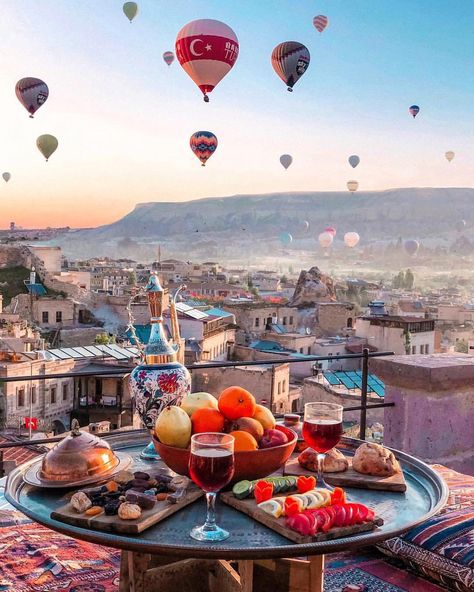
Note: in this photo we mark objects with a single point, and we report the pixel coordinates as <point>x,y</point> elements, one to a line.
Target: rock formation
<point>313,286</point>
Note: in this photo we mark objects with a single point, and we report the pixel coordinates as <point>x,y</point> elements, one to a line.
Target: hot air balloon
<point>290,60</point>
<point>47,144</point>
<point>461,225</point>
<point>352,186</point>
<point>320,22</point>
<point>207,50</point>
<point>130,9</point>
<point>203,144</point>
<point>168,57</point>
<point>353,160</point>
<point>325,239</point>
<point>305,225</point>
<point>331,230</point>
<point>414,110</point>
<point>411,247</point>
<point>32,93</point>
<point>286,160</point>
<point>351,239</point>
<point>6,177</point>
<point>450,155</point>
<point>286,238</point>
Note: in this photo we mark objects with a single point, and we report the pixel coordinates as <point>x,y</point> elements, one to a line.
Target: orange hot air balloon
<point>207,50</point>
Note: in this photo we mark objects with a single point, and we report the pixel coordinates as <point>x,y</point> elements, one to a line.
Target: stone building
<point>254,318</point>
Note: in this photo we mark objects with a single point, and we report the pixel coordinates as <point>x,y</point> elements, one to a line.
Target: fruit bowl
<point>254,464</point>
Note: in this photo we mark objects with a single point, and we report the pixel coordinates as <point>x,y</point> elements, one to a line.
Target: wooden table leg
<point>316,573</point>
<point>246,575</point>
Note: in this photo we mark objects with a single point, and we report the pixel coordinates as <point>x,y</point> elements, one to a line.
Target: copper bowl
<point>250,465</point>
<point>78,456</point>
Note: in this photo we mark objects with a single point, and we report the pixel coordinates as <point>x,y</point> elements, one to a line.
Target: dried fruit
<point>94,511</point>
<point>161,497</point>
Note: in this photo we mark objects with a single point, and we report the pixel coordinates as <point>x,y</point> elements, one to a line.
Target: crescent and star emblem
<point>192,47</point>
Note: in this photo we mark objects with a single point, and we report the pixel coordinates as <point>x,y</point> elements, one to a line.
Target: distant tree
<point>409,279</point>
<point>102,339</point>
<point>407,341</point>
<point>132,279</point>
<point>283,279</point>
<point>462,346</point>
<point>399,280</point>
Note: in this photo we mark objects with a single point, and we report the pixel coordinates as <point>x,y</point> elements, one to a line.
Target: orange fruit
<point>243,441</point>
<point>207,419</point>
<point>235,402</point>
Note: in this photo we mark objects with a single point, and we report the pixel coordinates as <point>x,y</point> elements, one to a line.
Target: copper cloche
<point>79,456</point>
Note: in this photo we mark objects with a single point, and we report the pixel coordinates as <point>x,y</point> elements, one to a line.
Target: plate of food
<point>294,507</point>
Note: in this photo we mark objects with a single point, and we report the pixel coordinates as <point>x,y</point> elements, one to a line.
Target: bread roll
<point>374,459</point>
<point>335,461</point>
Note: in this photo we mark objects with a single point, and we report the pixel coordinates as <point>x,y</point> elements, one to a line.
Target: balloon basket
<point>149,453</point>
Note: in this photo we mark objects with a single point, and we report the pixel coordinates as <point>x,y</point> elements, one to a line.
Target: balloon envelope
<point>351,239</point>
<point>47,144</point>
<point>320,22</point>
<point>411,246</point>
<point>414,110</point>
<point>352,186</point>
<point>290,60</point>
<point>168,57</point>
<point>353,160</point>
<point>305,225</point>
<point>325,239</point>
<point>207,50</point>
<point>6,177</point>
<point>286,160</point>
<point>203,144</point>
<point>450,155</point>
<point>286,238</point>
<point>331,230</point>
<point>32,93</point>
<point>130,9</point>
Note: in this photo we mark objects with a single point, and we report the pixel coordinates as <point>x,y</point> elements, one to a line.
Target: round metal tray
<point>425,495</point>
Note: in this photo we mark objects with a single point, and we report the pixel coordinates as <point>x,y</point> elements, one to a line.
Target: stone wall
<point>333,317</point>
<point>433,413</point>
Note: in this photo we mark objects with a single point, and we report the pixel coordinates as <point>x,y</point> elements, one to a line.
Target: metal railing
<point>364,356</point>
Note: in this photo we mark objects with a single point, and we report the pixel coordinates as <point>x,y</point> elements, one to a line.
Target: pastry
<point>80,502</point>
<point>335,461</point>
<point>129,511</point>
<point>374,459</point>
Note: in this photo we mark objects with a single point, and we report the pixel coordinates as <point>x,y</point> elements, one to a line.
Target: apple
<point>249,425</point>
<point>173,427</point>
<point>265,417</point>
<point>195,401</point>
<point>272,438</point>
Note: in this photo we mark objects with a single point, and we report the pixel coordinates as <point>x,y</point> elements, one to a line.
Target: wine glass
<point>211,467</point>
<point>322,430</point>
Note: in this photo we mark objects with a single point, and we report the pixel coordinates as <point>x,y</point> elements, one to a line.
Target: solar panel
<point>59,353</point>
<point>110,352</point>
<point>83,351</point>
<point>71,353</point>
<point>196,314</point>
<point>120,350</point>
<point>94,350</point>
<point>182,307</point>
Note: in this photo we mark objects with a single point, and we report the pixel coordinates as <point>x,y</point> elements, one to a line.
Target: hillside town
<point>92,315</point>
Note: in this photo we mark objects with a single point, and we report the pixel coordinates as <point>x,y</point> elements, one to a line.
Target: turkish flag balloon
<point>207,50</point>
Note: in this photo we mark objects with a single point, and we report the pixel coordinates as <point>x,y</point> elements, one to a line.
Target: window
<point>33,395</point>
<point>284,320</point>
<point>413,349</point>
<point>284,386</point>
<point>257,322</point>
<point>59,316</point>
<point>301,350</point>
<point>309,350</point>
<point>422,349</point>
<point>427,349</point>
<point>291,320</point>
<point>53,394</point>
<point>20,397</point>
<point>279,387</point>
<point>45,316</point>
<point>65,391</point>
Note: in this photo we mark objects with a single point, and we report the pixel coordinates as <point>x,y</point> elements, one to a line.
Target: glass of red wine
<point>211,467</point>
<point>322,430</point>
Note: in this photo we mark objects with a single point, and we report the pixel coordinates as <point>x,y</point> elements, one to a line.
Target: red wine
<point>322,434</point>
<point>211,469</point>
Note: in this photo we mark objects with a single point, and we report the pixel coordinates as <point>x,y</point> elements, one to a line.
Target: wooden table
<point>164,558</point>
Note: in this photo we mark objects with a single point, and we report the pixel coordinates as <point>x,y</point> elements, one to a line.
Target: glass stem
<point>210,523</point>
<point>320,481</point>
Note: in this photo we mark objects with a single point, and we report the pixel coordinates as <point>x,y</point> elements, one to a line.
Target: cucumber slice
<point>283,483</point>
<point>291,482</point>
<point>242,489</point>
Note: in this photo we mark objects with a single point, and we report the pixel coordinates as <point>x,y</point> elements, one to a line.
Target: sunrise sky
<point>123,118</point>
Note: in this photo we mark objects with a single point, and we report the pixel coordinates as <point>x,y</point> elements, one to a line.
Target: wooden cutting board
<point>249,506</point>
<point>148,518</point>
<point>351,478</point>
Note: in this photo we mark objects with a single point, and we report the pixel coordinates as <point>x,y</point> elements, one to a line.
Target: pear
<point>195,401</point>
<point>173,427</point>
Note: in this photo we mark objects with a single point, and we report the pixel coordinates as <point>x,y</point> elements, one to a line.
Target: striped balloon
<point>203,144</point>
<point>320,22</point>
<point>290,60</point>
<point>168,57</point>
<point>32,93</point>
<point>414,110</point>
<point>207,50</point>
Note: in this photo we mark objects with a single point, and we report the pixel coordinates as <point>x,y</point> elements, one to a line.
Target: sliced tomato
<point>263,491</point>
<point>300,523</point>
<point>349,515</point>
<point>305,483</point>
<point>327,523</point>
<point>370,515</point>
<point>338,496</point>
<point>363,511</point>
<point>292,506</point>
<point>340,518</point>
<point>331,510</point>
<point>313,521</point>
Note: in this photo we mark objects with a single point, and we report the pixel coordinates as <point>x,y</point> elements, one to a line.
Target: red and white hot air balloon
<point>207,50</point>
<point>320,22</point>
<point>168,57</point>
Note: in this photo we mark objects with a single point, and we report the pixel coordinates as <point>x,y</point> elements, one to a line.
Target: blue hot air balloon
<point>353,160</point>
<point>286,238</point>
